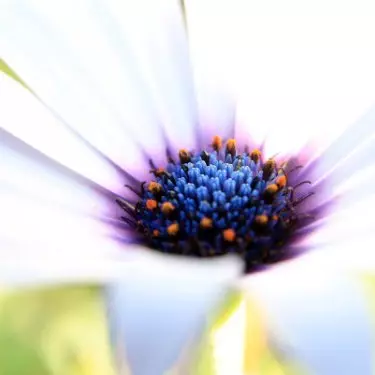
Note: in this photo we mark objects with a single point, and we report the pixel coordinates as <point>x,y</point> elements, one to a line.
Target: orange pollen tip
<point>173,229</point>
<point>255,155</point>
<point>272,188</point>
<point>217,143</point>
<point>167,208</point>
<point>159,172</point>
<point>270,163</point>
<point>154,187</point>
<point>206,223</point>
<point>155,233</point>
<point>231,145</point>
<point>184,155</point>
<point>229,235</point>
<point>151,204</point>
<point>261,219</point>
<point>275,218</point>
<point>281,181</point>
<point>183,152</point>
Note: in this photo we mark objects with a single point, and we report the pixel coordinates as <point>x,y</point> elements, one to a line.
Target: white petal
<point>345,174</point>
<point>352,175</point>
<point>28,175</point>
<point>348,189</point>
<point>212,46</point>
<point>346,240</point>
<point>26,118</point>
<point>297,81</point>
<point>162,304</point>
<point>97,76</point>
<point>48,211</point>
<point>66,269</point>
<point>353,144</point>
<point>316,316</point>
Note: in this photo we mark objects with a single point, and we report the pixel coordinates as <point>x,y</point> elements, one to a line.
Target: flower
<point>111,90</point>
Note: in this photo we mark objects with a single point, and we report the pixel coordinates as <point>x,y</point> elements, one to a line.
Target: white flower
<point>112,86</point>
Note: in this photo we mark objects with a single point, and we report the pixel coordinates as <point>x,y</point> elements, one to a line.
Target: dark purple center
<point>218,202</point>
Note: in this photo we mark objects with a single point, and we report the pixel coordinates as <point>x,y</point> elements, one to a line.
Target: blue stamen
<point>222,201</point>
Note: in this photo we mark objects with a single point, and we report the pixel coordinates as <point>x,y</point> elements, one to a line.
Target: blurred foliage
<point>6,69</point>
<point>262,353</point>
<point>260,356</point>
<point>204,361</point>
<point>63,331</point>
<point>58,331</point>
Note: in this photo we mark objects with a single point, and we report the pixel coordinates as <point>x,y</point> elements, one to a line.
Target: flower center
<point>214,203</point>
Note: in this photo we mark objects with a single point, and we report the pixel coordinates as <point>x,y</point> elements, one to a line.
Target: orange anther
<point>159,172</point>
<point>272,189</point>
<point>167,208</point>
<point>231,146</point>
<point>206,223</point>
<point>173,229</point>
<point>184,155</point>
<point>151,204</point>
<point>229,235</point>
<point>217,143</point>
<point>281,181</point>
<point>255,155</point>
<point>270,164</point>
<point>154,187</point>
<point>261,219</point>
<point>155,233</point>
<point>268,168</point>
